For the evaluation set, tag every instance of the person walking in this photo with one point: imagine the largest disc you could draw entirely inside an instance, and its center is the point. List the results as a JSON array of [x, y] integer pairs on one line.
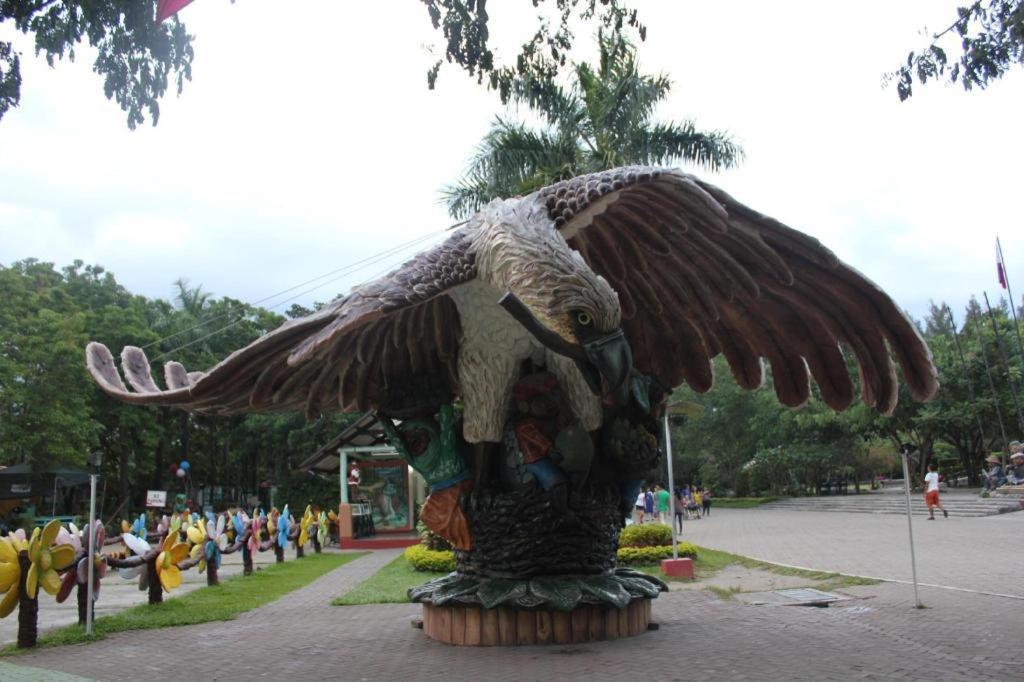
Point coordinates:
[[705, 501], [698, 501], [931, 493], [638, 508], [680, 509], [663, 504], [649, 506]]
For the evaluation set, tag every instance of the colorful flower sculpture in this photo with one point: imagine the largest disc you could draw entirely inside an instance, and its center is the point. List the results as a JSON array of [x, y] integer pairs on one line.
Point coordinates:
[[323, 529], [136, 528], [145, 563], [140, 548], [283, 527], [10, 570], [304, 524], [256, 525], [80, 575], [172, 553], [27, 565], [274, 522], [207, 547]]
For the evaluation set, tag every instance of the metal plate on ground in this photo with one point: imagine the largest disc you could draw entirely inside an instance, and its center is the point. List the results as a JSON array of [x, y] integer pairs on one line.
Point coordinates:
[[803, 596]]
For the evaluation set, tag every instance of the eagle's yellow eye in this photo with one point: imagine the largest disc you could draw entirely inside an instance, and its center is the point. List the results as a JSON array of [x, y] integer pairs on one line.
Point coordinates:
[[584, 319]]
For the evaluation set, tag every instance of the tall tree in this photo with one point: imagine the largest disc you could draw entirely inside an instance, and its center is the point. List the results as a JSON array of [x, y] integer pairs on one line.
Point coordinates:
[[466, 27], [602, 120], [138, 57], [135, 56], [991, 37]]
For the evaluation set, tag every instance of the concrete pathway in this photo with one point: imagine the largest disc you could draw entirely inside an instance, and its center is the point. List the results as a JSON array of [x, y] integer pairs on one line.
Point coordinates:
[[981, 554], [878, 636]]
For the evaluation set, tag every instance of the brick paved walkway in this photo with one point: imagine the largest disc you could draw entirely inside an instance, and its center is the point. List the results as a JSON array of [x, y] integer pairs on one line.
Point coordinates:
[[961, 635], [968, 553], [879, 636]]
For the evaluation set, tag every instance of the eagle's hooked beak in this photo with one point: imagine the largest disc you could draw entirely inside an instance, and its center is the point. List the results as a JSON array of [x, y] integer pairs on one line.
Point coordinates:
[[609, 357], [612, 357]]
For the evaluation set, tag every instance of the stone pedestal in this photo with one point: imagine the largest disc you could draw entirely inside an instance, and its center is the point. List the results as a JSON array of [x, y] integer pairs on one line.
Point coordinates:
[[510, 626]]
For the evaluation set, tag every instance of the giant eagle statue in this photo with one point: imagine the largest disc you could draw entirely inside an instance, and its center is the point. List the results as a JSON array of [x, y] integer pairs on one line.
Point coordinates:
[[560, 320], [633, 267]]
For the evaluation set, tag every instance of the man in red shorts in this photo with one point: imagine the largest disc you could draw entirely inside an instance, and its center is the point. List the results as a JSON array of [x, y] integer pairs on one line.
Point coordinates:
[[931, 493]]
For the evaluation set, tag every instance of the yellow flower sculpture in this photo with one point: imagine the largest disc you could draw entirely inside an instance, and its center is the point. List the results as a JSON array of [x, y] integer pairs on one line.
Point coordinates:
[[167, 562], [307, 521], [46, 561], [197, 537]]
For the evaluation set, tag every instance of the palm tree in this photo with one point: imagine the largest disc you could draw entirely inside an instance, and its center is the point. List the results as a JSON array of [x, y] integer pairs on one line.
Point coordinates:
[[602, 121]]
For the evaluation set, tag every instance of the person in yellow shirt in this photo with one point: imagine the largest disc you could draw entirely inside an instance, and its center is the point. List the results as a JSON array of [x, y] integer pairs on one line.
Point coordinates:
[[697, 501]]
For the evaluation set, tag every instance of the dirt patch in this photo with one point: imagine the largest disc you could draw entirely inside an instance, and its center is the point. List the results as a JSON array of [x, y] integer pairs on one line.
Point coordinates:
[[735, 578]]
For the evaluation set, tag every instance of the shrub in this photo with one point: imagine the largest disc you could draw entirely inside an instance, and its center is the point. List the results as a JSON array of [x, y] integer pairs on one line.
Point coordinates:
[[423, 559], [645, 535], [641, 556], [432, 540]]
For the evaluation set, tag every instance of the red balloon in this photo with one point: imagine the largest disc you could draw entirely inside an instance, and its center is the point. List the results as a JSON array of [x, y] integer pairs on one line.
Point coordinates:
[[173, 469]]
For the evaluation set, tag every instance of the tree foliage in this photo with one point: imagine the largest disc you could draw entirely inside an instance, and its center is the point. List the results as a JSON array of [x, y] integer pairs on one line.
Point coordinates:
[[465, 25], [136, 57], [603, 119], [991, 41], [51, 413], [748, 443]]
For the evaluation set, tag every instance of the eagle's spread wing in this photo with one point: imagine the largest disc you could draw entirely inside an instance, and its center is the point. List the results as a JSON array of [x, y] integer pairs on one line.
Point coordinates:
[[699, 274], [390, 344]]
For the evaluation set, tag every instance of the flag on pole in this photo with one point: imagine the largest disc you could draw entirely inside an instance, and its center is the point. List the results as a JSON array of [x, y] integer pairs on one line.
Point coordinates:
[[168, 8], [1000, 266]]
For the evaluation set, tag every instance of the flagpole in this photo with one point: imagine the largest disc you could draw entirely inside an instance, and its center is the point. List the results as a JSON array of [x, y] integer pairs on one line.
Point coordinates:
[[991, 384], [1006, 365], [1013, 302], [967, 377]]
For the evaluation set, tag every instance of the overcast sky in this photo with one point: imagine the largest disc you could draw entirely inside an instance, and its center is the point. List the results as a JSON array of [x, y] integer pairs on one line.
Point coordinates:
[[307, 141]]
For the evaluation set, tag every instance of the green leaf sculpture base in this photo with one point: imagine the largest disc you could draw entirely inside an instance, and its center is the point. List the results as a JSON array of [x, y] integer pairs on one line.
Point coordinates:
[[559, 593]]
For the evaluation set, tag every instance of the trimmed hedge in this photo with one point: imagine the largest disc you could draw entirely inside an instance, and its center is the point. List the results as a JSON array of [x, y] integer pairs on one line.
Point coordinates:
[[645, 535], [423, 559], [641, 556]]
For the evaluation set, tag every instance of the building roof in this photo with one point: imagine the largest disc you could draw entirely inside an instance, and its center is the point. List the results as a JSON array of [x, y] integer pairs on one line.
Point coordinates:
[[365, 432]]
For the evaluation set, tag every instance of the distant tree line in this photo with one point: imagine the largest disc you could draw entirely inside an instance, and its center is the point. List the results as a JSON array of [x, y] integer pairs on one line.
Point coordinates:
[[746, 442], [52, 413]]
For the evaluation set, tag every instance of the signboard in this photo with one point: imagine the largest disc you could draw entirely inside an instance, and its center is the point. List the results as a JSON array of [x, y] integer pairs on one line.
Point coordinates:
[[156, 498], [23, 488]]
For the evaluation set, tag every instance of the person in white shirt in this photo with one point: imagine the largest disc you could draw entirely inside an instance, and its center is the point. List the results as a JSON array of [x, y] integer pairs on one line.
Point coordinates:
[[931, 493], [638, 508]]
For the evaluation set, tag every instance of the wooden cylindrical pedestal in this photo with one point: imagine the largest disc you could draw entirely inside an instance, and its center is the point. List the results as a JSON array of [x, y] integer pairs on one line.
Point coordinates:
[[508, 626]]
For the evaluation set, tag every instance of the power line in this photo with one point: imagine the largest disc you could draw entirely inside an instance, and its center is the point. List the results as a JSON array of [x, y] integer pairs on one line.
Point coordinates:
[[349, 269], [346, 268]]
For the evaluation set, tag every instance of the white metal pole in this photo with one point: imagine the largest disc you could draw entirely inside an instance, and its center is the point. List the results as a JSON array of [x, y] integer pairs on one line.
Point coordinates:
[[343, 477], [910, 526], [671, 489], [90, 557]]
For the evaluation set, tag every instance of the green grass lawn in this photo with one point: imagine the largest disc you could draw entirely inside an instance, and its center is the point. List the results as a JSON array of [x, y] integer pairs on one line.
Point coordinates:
[[711, 561], [389, 584], [233, 596], [386, 586]]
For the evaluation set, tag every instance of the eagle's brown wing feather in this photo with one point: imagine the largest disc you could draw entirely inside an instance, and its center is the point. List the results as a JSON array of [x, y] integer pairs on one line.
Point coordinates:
[[390, 344], [699, 273]]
